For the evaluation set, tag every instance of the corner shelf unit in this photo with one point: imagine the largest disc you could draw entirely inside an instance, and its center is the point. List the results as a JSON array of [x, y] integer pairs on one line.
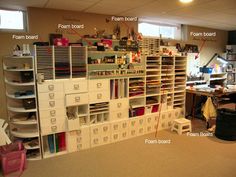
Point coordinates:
[[21, 96]]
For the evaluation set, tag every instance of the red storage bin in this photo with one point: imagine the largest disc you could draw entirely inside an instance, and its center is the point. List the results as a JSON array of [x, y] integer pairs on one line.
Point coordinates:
[[13, 158]]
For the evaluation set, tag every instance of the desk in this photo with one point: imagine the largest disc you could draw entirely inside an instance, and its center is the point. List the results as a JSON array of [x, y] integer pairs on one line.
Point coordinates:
[[205, 93]]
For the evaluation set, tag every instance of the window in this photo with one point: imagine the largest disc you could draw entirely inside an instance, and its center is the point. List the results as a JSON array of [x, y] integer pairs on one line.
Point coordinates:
[[155, 30], [11, 20]]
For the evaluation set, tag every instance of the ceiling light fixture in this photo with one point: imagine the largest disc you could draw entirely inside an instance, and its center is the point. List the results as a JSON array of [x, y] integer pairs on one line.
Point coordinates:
[[185, 1]]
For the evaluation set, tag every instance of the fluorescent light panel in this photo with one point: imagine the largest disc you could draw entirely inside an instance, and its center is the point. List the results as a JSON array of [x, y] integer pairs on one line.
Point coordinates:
[[185, 1]]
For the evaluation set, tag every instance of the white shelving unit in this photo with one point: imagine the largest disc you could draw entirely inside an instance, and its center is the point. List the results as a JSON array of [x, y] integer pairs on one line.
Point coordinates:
[[22, 103], [78, 113]]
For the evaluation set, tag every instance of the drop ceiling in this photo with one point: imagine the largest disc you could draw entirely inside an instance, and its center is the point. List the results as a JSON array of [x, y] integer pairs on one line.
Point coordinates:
[[218, 14]]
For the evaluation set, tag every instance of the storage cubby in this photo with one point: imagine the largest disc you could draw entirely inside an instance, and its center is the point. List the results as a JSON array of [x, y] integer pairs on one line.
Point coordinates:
[[44, 61], [136, 87], [180, 81], [77, 116], [79, 62], [99, 112], [118, 88], [54, 144]]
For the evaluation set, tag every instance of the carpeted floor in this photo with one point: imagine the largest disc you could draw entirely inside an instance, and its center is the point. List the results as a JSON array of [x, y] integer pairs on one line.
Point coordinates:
[[184, 156]]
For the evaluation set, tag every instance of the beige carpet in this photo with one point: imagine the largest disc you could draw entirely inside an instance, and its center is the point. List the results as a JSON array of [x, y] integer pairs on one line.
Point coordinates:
[[185, 156]]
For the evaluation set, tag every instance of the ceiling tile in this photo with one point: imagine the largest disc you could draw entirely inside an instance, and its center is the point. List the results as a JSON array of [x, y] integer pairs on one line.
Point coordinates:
[[76, 5], [16, 4]]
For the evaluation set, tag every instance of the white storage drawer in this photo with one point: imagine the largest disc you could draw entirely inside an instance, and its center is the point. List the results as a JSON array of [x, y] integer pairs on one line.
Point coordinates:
[[58, 127], [50, 96], [118, 115], [105, 139], [96, 141], [51, 121], [99, 84], [51, 86], [115, 126], [51, 104], [97, 97], [119, 104], [50, 113], [77, 86], [76, 99]]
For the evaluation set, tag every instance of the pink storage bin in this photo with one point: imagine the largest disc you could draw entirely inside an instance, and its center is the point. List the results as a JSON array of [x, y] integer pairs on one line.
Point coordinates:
[[13, 158]]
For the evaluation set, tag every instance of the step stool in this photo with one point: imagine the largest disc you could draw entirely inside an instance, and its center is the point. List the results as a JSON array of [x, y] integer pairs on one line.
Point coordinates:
[[181, 125]]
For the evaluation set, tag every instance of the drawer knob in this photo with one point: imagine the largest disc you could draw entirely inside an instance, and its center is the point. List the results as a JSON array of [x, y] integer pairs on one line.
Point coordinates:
[[77, 99], [51, 87], [95, 131], [124, 134], [51, 95], [124, 125], [53, 112], [53, 120], [115, 127], [76, 86], [54, 128], [99, 96], [99, 85], [95, 141], [119, 105], [51, 103], [105, 139], [105, 129], [115, 136], [119, 115]]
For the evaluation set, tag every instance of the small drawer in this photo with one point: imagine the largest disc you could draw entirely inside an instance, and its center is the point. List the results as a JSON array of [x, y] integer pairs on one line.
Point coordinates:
[[51, 104], [50, 96], [141, 121], [133, 132], [105, 139], [124, 135], [141, 130], [124, 125], [76, 99], [97, 97], [115, 137], [119, 104], [105, 129], [95, 130], [52, 113], [59, 127], [119, 115], [115, 126], [50, 121], [96, 141], [77, 86], [133, 123], [98, 85], [50, 87]]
